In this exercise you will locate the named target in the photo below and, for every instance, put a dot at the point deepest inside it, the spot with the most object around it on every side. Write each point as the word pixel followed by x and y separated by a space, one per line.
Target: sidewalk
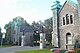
pixel 17 48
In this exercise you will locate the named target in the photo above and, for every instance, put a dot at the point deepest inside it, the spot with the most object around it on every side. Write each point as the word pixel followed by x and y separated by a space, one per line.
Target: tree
pixel 37 27
pixel 12 27
pixel 0 35
pixel 7 27
pixel 48 23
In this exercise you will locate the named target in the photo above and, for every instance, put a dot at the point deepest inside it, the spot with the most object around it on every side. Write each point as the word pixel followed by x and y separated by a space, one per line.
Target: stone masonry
pixel 69 24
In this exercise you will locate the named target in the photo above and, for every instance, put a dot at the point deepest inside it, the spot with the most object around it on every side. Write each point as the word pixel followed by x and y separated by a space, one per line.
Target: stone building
pixel 66 24
pixel 27 32
pixel 21 28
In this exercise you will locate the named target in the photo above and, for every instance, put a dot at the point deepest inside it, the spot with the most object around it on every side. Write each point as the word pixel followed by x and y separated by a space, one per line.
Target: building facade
pixel 18 28
pixel 68 24
pixel 27 32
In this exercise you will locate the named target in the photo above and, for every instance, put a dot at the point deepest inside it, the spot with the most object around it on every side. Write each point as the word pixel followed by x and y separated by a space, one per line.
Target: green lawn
pixel 3 46
pixel 35 51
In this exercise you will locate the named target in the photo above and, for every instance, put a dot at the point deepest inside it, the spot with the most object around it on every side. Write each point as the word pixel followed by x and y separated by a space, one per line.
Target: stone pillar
pixel 22 40
pixel 55 9
pixel 42 40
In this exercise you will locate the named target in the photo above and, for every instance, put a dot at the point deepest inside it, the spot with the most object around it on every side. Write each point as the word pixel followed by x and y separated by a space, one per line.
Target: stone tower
pixel 55 35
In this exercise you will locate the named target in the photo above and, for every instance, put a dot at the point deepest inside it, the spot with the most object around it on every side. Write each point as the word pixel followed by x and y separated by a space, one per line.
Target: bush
pixel 63 51
pixel 77 45
pixel 78 51
pixel 75 51
pixel 72 52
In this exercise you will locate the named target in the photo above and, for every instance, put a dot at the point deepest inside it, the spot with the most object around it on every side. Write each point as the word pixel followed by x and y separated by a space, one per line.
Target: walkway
pixel 17 48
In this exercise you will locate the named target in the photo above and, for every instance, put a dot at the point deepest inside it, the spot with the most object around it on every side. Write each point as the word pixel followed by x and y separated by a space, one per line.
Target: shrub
pixel 75 51
pixel 63 51
pixel 72 51
pixel 78 51
pixel 77 44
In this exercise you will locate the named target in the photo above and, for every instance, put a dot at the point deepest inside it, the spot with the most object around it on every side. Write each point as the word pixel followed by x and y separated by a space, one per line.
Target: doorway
pixel 68 40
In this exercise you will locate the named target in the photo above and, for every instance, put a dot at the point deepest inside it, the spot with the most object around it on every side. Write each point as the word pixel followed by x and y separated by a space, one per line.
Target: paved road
pixel 17 48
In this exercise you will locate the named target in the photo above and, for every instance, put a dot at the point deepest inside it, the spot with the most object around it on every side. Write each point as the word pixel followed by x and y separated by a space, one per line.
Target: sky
pixel 30 10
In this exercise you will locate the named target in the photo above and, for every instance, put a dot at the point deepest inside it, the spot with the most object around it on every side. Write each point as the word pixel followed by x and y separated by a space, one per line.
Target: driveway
pixel 17 48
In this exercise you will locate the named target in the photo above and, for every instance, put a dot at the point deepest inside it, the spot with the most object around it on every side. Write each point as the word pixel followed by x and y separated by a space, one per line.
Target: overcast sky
pixel 30 10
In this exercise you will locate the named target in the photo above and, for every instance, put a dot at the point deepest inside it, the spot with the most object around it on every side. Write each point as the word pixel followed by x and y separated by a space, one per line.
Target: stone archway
pixel 68 41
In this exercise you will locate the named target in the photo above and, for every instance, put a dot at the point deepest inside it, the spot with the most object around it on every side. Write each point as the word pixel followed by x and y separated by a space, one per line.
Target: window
pixel 71 19
pixel 67 19
pixel 63 20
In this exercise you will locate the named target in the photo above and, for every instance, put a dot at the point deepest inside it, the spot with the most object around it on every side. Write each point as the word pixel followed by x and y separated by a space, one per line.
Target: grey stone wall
pixel 73 29
pixel 28 39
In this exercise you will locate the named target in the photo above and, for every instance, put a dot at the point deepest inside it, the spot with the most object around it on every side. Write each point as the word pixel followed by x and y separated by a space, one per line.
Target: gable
pixel 26 29
pixel 68 5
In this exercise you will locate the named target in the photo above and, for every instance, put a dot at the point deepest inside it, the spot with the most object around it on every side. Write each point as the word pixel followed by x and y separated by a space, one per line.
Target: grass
pixel 35 51
pixel 4 46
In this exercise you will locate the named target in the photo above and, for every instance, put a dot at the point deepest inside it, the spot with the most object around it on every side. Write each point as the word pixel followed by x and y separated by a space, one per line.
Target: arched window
pixel 63 20
pixel 71 19
pixel 67 19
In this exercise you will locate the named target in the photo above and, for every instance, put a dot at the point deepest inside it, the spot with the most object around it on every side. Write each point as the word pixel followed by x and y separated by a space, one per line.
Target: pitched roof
pixel 26 29
pixel 71 2
pixel 68 1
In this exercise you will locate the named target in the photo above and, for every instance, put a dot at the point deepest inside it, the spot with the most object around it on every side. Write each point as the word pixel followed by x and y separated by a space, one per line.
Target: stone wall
pixel 73 29
pixel 28 39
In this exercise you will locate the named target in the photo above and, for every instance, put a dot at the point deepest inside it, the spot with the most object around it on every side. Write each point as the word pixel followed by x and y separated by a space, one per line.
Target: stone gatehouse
pixel 66 24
